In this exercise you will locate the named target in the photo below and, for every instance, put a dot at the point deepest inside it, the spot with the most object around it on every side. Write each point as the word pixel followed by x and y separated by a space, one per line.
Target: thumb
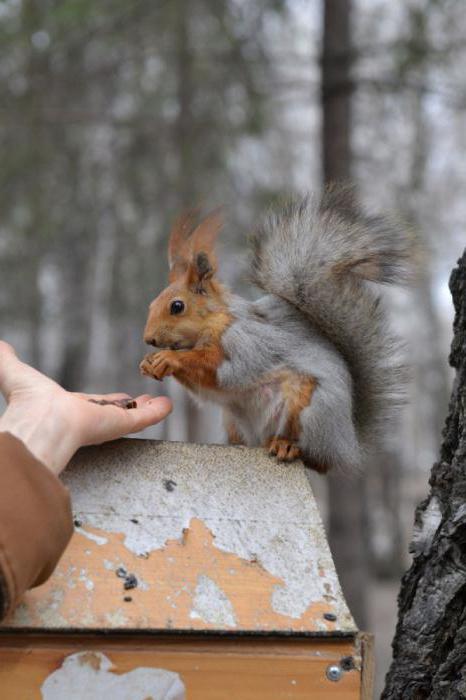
pixel 8 364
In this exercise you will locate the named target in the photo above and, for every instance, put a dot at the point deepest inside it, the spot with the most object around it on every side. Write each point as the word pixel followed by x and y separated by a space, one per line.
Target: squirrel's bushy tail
pixel 326 257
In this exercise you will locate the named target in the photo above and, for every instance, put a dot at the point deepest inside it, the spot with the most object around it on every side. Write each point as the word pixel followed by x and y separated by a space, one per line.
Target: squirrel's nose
pixel 149 340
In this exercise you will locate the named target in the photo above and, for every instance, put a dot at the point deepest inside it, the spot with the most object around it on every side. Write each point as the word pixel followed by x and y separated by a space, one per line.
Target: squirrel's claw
pixel 284 450
pixel 159 364
pixel 145 367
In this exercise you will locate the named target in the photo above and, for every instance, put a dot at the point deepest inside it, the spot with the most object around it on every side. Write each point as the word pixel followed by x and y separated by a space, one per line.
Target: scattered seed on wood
pixel 77 523
pixel 127 599
pixel 330 617
pixel 135 521
pixel 121 572
pixel 121 403
pixel 130 582
pixel 169 484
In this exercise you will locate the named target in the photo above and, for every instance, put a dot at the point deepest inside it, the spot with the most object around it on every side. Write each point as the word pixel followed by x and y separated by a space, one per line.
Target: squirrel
pixel 310 370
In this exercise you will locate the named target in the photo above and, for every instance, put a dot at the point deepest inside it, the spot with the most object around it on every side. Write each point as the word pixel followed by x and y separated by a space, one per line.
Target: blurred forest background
pixel 117 115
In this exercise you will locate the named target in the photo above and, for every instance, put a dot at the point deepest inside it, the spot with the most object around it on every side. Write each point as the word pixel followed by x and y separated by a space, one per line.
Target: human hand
pixel 53 423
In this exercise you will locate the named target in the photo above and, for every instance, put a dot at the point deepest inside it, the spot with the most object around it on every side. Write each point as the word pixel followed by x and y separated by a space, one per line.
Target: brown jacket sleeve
pixel 35 521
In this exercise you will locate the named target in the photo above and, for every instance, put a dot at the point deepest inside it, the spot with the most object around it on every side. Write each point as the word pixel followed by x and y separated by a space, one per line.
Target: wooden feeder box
pixel 194 573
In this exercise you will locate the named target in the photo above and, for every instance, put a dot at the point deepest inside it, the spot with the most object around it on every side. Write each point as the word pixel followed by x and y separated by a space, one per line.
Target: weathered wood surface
pixel 216 538
pixel 429 648
pixel 170 668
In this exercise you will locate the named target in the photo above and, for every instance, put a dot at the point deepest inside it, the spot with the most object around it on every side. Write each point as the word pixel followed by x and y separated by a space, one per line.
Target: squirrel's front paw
pixel 160 364
pixel 284 450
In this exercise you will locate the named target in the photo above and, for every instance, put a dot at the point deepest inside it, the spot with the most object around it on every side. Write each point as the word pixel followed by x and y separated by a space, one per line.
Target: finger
pixel 111 422
pixel 6 349
pixel 117 396
pixel 121 403
pixel 143 399
pixel 151 412
pixel 121 400
pixel 9 363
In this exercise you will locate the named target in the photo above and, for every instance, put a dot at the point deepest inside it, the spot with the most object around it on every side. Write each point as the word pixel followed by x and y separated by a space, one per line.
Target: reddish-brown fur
pixel 297 391
pixel 234 437
pixel 192 368
pixel 189 343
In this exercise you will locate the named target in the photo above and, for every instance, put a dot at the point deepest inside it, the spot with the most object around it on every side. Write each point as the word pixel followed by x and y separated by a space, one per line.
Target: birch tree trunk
pixel 347 521
pixel 429 648
pixel 188 197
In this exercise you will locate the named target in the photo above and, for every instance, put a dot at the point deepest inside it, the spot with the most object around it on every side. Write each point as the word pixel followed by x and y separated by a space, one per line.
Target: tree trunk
pixel 347 521
pixel 187 176
pixel 336 91
pixel 430 379
pixel 72 370
pixel 429 648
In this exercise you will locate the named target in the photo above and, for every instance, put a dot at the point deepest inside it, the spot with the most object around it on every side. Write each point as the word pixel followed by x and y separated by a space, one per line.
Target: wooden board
pixel 202 669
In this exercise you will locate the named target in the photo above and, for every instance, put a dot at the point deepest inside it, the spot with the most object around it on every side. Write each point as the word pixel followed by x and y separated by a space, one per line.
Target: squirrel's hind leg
pixel 297 393
pixel 233 434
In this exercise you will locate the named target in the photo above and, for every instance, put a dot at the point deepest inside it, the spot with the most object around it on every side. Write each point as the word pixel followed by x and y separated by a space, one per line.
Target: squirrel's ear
pixel 179 245
pixel 203 264
pixel 204 236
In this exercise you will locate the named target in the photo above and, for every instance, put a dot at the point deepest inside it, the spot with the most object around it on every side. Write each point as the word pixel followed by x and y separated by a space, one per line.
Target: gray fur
pixel 271 334
pixel 323 256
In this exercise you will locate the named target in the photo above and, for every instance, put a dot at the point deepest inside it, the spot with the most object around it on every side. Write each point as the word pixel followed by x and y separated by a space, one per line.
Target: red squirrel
pixel 310 370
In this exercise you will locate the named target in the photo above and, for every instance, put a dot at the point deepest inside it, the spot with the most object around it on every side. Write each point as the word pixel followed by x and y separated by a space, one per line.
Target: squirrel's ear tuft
pixel 201 269
pixel 204 267
pixel 203 263
pixel 179 245
pixel 189 240
pixel 204 236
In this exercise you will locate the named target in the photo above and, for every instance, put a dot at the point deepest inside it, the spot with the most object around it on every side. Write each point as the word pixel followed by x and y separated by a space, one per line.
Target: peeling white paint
pixel 142 584
pixel 256 509
pixel 86 618
pixel 88 676
pixel 48 608
pixel 290 551
pixel 84 578
pixel 211 605
pixel 22 616
pixel 117 618
pixel 90 536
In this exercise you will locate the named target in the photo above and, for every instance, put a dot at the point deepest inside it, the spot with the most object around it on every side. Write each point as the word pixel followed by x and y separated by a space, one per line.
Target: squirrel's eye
pixel 177 307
